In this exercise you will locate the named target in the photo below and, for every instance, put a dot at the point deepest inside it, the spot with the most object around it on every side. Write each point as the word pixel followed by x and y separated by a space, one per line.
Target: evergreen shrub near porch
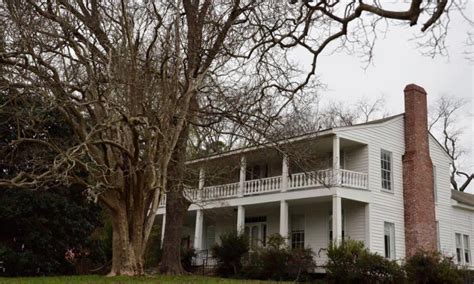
pixel 433 268
pixel 351 262
pixel 229 254
pixel 277 261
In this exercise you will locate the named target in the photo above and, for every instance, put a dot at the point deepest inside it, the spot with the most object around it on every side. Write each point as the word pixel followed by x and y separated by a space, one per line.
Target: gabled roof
pixel 463 197
pixel 295 138
pixel 308 135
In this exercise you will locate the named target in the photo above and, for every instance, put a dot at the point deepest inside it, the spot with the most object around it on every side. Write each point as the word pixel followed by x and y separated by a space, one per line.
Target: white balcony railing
pixel 309 179
pixel 323 178
pixel 354 179
pixel 220 191
pixel 263 185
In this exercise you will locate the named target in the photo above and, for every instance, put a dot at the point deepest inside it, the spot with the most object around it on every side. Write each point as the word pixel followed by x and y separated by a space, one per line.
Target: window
pixel 211 236
pixel 389 240
pixel 330 225
pixel 256 172
pixel 256 231
pixel 386 167
pixel 297 231
pixel 435 190
pixel 463 249
pixel 467 250
pixel 458 248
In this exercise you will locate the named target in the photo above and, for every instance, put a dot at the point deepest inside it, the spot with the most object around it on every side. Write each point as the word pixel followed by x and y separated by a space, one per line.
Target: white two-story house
pixel 385 183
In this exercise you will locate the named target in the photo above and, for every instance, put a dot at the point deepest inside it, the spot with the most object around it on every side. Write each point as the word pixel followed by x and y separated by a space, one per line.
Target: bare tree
pixel 444 121
pixel 132 77
pixel 340 114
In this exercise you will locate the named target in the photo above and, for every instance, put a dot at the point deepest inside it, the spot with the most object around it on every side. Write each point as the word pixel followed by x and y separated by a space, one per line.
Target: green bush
pixel 351 262
pixel 229 254
pixel 187 256
pixel 432 267
pixel 279 262
pixel 48 232
pixel 154 251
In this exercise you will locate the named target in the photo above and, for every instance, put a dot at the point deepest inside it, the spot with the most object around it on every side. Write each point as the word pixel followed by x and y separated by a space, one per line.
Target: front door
pixel 257 234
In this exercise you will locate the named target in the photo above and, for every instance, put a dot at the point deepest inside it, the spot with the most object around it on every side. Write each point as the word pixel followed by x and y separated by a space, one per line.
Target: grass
pixel 123 280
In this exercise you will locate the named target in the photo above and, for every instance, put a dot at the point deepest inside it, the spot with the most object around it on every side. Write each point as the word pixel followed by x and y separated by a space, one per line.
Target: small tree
pixel 229 253
pixel 444 123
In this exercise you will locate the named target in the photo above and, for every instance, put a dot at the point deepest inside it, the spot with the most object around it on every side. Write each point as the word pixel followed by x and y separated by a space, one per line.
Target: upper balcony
pixel 298 181
pixel 327 162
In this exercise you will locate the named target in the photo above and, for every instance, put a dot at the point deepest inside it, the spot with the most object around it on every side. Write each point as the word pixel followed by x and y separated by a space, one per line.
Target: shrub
pixel 187 256
pixel 432 267
pixel 351 262
pixel 278 262
pixel 229 254
pixel 154 251
pixel 47 232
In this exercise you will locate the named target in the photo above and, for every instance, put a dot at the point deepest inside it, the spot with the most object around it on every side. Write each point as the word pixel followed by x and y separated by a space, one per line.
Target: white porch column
pixel 198 230
pixel 240 219
pixel 163 224
pixel 284 219
pixel 336 219
pixel 284 173
pixel 367 226
pixel 243 167
pixel 202 176
pixel 336 160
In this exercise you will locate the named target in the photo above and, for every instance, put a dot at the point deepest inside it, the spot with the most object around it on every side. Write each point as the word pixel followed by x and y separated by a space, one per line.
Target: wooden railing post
pixel 284 173
pixel 202 176
pixel 336 162
pixel 243 166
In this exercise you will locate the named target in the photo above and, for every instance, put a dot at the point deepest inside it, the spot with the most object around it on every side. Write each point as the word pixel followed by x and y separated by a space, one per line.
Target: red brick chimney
pixel 418 192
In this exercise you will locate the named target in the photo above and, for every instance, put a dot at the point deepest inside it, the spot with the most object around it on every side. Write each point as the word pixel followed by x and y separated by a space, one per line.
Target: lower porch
pixel 306 223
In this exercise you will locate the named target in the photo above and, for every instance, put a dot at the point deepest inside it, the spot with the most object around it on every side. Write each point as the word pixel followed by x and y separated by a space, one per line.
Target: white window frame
pixel 386 184
pixel 297 233
pixel 210 236
pixel 462 244
pixel 466 249
pixel 459 248
pixel 391 252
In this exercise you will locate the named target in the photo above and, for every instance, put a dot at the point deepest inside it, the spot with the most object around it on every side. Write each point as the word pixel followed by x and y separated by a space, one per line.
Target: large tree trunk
pixel 127 245
pixel 176 209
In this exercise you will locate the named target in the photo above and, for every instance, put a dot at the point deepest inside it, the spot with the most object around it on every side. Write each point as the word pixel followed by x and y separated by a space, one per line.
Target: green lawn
pixel 122 279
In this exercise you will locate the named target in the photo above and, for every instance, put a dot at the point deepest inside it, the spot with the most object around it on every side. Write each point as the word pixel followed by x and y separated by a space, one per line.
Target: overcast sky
pixel 397 63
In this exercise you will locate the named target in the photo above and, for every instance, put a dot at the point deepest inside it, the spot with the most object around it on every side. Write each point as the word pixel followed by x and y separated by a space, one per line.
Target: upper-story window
pixel 386 169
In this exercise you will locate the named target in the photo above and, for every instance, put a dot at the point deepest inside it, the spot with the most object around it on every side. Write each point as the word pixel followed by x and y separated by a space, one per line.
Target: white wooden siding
pixel 385 206
pixel 356 159
pixel 451 219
